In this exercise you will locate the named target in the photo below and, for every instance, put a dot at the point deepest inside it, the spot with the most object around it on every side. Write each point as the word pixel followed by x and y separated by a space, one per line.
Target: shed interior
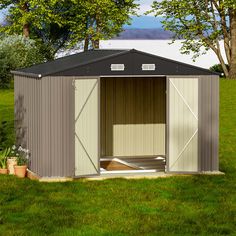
pixel 133 123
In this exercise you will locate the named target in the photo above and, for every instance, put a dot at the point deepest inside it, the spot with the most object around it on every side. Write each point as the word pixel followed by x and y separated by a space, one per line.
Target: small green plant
pixel 22 156
pixel 3 158
pixel 14 151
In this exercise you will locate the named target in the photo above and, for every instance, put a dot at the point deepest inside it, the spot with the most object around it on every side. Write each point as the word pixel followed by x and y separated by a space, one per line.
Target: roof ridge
pixel 77 53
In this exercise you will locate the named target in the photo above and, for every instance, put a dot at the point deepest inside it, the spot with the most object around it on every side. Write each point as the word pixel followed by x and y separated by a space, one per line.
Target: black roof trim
pixel 17 72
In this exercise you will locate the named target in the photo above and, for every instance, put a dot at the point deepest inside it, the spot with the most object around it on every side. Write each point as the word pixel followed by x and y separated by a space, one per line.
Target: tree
pixel 44 21
pixel 26 14
pixel 102 19
pixel 218 68
pixel 202 23
pixel 17 52
pixel 64 23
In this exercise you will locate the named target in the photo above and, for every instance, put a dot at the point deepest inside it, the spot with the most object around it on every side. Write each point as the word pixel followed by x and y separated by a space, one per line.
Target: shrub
pixel 7 134
pixel 21 154
pixel 218 68
pixel 17 52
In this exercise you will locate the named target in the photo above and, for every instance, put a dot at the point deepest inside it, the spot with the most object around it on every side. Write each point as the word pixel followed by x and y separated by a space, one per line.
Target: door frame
pixel 99 113
pixel 136 76
pixel 168 119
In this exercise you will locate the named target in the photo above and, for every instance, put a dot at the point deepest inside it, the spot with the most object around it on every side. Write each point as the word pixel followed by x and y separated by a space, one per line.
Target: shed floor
pixel 142 164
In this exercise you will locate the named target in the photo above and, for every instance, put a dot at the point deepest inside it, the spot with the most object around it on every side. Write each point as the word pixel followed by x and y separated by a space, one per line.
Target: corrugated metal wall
pixel 28 111
pixel 44 114
pixel 209 122
pixel 57 126
pixel 133 116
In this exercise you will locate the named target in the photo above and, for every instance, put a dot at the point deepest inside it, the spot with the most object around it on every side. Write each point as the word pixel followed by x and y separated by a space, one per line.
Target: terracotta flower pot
pixel 3 171
pixel 20 171
pixel 11 162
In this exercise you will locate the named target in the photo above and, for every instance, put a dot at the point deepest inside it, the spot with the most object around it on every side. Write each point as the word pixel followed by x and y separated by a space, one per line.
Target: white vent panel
pixel 148 66
pixel 117 67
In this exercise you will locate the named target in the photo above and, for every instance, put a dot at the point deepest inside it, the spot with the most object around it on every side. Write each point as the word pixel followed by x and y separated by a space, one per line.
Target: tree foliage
pixel 44 21
pixel 17 52
pixel 33 13
pixel 202 23
pixel 218 68
pixel 102 19
pixel 61 24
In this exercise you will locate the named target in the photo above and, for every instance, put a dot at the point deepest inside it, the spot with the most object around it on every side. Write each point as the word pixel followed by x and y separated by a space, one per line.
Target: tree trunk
pixel 96 44
pixel 26 27
pixel 26 30
pixel 222 62
pixel 86 40
pixel 86 43
pixel 232 66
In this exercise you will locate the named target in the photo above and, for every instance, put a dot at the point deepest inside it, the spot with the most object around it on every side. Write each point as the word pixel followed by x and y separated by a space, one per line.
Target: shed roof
pixel 98 62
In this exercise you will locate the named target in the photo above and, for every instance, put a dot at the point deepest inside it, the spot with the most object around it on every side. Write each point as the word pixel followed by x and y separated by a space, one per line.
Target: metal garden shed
pixel 117 110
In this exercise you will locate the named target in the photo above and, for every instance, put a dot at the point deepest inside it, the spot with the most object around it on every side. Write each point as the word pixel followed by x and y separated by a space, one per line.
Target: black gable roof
pixel 98 62
pixel 67 62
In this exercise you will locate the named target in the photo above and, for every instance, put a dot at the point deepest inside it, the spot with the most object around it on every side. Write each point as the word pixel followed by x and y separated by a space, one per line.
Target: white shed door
pixel 86 127
pixel 183 125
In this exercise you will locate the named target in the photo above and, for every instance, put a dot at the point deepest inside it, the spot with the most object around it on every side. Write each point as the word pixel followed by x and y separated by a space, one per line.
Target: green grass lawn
pixel 192 205
pixel 6 118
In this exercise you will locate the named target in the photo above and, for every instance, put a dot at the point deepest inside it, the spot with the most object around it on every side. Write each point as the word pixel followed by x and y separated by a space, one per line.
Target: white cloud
pixel 145 5
pixel 143 8
pixel 145 2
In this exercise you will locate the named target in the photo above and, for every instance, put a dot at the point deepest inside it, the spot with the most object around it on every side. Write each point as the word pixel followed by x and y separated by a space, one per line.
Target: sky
pixel 1 16
pixel 144 5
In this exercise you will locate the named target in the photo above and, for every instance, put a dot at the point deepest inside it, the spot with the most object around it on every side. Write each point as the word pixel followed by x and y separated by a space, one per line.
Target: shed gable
pixel 99 63
pixel 134 62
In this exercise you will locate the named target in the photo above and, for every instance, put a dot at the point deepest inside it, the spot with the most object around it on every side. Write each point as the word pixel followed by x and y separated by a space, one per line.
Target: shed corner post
pixel 199 123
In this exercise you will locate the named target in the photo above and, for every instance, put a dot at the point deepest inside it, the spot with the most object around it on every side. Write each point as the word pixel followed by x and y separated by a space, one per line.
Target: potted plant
pixel 11 161
pixel 3 160
pixel 22 162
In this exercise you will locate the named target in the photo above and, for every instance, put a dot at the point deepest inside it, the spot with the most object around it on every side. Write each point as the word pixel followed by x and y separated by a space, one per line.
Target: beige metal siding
pixel 209 122
pixel 183 124
pixel 86 127
pixel 28 111
pixel 133 116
